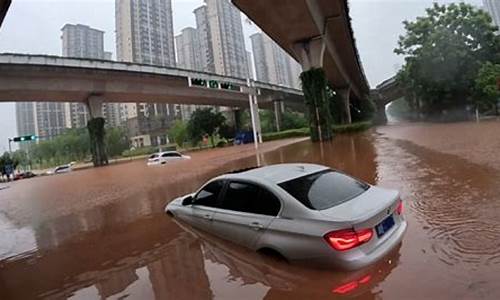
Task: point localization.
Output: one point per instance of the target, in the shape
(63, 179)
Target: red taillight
(347, 239)
(399, 209)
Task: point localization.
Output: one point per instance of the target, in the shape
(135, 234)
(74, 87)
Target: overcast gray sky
(33, 26)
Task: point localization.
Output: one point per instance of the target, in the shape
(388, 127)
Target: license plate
(384, 226)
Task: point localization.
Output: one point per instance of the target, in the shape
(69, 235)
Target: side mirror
(188, 200)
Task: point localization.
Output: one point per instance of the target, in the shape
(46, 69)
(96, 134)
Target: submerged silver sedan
(302, 212)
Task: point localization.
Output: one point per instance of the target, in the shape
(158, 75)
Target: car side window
(209, 194)
(245, 197)
(171, 155)
(268, 204)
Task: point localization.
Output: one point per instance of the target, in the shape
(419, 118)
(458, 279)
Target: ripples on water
(129, 248)
(457, 201)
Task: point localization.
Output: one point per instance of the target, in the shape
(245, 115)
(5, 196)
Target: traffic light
(25, 138)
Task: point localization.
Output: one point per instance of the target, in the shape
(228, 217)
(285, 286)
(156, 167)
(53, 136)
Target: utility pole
(10, 147)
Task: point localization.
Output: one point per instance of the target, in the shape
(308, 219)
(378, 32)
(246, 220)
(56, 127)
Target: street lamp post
(254, 112)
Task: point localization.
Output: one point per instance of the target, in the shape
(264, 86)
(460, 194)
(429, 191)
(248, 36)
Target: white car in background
(61, 169)
(162, 158)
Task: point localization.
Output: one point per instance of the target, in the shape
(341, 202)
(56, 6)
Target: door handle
(256, 225)
(207, 217)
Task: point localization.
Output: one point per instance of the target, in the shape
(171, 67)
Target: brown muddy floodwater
(102, 233)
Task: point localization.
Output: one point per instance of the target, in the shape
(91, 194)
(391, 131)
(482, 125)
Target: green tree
(205, 121)
(293, 120)
(117, 141)
(72, 145)
(487, 86)
(20, 158)
(267, 123)
(179, 132)
(444, 51)
(6, 161)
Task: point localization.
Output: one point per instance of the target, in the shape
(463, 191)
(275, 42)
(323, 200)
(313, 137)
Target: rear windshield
(324, 189)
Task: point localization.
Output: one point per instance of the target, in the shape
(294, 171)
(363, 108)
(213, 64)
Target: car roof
(279, 173)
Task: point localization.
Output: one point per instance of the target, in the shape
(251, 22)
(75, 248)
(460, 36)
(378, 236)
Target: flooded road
(102, 233)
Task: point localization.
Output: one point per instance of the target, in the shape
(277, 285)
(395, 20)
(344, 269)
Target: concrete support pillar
(311, 53)
(237, 119)
(380, 117)
(96, 130)
(279, 109)
(344, 94)
(314, 85)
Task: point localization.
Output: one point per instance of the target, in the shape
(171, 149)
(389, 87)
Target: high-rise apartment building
(50, 119)
(82, 41)
(493, 8)
(145, 35)
(108, 55)
(189, 56)
(259, 55)
(188, 49)
(250, 65)
(44, 119)
(221, 42)
(25, 120)
(144, 32)
(296, 70)
(273, 64)
(221, 38)
(204, 39)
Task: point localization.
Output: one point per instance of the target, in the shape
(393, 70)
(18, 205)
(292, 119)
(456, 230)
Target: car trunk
(366, 210)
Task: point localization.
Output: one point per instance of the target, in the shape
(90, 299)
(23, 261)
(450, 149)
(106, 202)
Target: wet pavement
(102, 233)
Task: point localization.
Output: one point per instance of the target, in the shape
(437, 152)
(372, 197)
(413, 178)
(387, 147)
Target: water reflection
(231, 268)
(173, 263)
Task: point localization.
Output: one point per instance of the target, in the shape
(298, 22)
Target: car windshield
(324, 189)
(154, 156)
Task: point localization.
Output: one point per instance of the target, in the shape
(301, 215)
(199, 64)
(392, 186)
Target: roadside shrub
(271, 136)
(222, 143)
(354, 127)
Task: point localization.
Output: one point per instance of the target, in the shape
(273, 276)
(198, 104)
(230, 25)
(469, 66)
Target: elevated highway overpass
(386, 92)
(318, 34)
(4, 7)
(53, 78)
